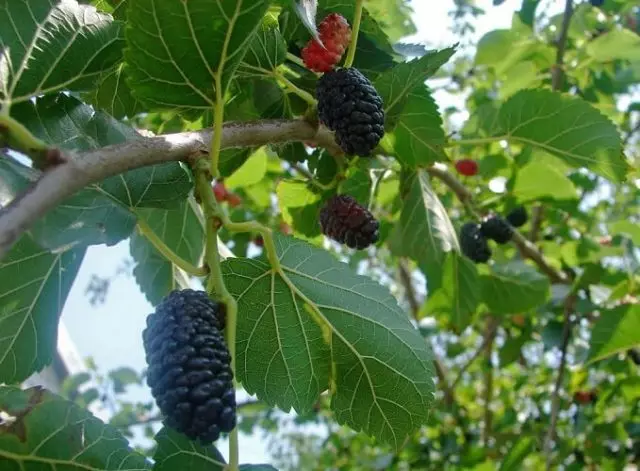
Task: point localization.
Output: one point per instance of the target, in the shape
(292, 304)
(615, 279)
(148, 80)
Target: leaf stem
(218, 118)
(216, 285)
(23, 138)
(355, 30)
(167, 253)
(293, 88)
(303, 171)
(267, 237)
(296, 60)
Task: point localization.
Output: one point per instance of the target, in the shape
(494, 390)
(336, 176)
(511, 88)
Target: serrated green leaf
(34, 285)
(294, 194)
(113, 94)
(395, 84)
(267, 50)
(176, 49)
(67, 122)
(250, 172)
(182, 232)
(48, 46)
(52, 433)
(89, 217)
(176, 451)
(616, 330)
(525, 74)
(621, 44)
(419, 135)
(458, 294)
(382, 380)
(540, 179)
(424, 232)
(567, 127)
(514, 287)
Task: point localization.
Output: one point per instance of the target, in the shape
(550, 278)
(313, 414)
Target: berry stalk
(293, 88)
(357, 19)
(213, 217)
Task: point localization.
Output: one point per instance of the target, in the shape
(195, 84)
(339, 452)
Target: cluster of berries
(474, 238)
(348, 103)
(222, 194)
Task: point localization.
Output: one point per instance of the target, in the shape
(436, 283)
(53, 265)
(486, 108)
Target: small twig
(412, 299)
(490, 335)
(355, 30)
(527, 249)
(537, 214)
(486, 339)
(569, 306)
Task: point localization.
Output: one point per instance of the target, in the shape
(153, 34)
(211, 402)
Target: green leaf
(176, 451)
(316, 324)
(514, 287)
(34, 285)
(267, 50)
(567, 127)
(617, 44)
(494, 46)
(525, 74)
(182, 232)
(113, 94)
(395, 84)
(52, 433)
(628, 228)
(251, 172)
(295, 194)
(122, 377)
(419, 137)
(458, 294)
(86, 218)
(176, 49)
(67, 122)
(616, 330)
(543, 178)
(552, 335)
(357, 184)
(424, 232)
(46, 48)
(512, 348)
(517, 454)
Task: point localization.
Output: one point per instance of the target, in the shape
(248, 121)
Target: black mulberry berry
(345, 221)
(349, 104)
(497, 229)
(473, 243)
(518, 217)
(189, 366)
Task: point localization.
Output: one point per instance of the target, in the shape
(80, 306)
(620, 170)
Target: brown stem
(569, 306)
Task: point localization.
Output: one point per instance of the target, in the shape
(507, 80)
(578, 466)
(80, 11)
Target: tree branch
(527, 249)
(410, 293)
(78, 170)
(569, 306)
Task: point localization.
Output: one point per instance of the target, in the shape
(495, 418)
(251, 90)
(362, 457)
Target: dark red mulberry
(190, 366)
(345, 221)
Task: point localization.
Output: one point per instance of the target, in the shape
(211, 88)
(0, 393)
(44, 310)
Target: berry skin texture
(496, 229)
(518, 217)
(467, 167)
(220, 192)
(190, 366)
(349, 105)
(344, 220)
(335, 34)
(473, 243)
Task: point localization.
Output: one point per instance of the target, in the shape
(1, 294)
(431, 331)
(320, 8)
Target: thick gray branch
(79, 170)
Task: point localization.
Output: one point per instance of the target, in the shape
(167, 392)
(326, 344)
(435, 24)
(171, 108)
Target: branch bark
(79, 170)
(527, 249)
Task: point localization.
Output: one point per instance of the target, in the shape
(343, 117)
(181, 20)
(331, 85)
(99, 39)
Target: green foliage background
(535, 358)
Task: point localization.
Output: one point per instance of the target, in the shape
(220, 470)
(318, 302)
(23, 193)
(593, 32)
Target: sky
(112, 333)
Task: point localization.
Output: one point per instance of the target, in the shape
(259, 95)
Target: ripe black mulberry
(190, 366)
(345, 221)
(497, 229)
(349, 104)
(473, 243)
(518, 217)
